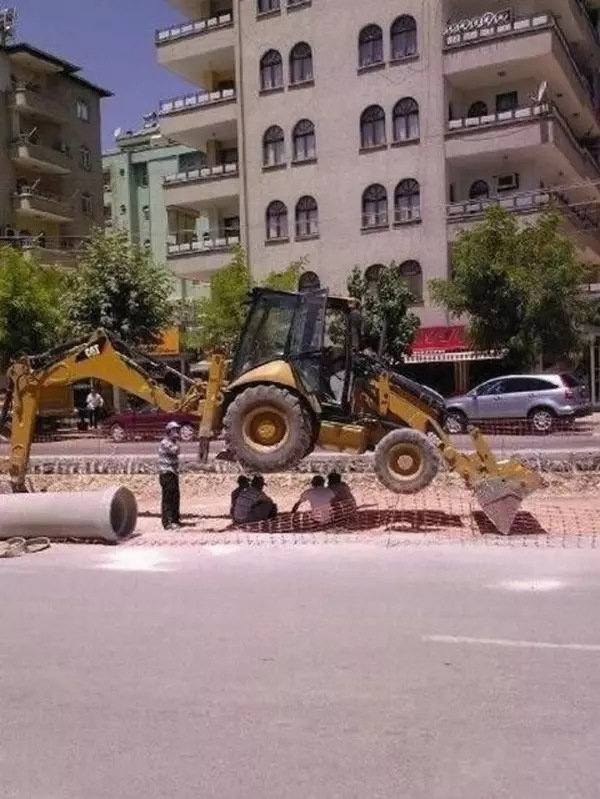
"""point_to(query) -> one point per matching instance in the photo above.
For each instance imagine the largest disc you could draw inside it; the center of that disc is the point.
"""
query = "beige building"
(51, 190)
(360, 133)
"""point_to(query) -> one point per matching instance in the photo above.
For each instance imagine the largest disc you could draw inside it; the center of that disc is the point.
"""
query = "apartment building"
(50, 161)
(137, 175)
(359, 133)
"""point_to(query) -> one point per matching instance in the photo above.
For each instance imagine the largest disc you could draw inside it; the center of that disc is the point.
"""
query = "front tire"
(542, 420)
(266, 427)
(406, 461)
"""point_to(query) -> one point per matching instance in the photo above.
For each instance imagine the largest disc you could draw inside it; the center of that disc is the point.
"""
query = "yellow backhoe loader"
(298, 379)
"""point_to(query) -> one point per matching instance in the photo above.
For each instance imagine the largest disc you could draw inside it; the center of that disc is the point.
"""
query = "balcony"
(531, 49)
(33, 203)
(41, 158)
(199, 260)
(200, 188)
(196, 47)
(52, 255)
(194, 118)
(29, 100)
(537, 132)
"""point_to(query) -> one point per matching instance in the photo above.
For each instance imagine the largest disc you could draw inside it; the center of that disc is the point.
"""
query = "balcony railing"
(222, 20)
(524, 203)
(517, 27)
(206, 244)
(32, 96)
(201, 174)
(191, 102)
(519, 114)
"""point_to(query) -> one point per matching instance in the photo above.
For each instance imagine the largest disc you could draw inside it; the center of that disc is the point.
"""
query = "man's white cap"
(173, 426)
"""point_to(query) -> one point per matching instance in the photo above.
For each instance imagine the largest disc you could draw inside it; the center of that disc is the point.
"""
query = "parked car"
(543, 400)
(148, 423)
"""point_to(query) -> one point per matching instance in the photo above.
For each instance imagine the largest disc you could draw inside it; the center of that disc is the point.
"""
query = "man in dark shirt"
(242, 483)
(168, 467)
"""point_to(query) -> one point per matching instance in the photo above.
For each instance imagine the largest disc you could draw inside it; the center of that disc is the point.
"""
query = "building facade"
(358, 134)
(137, 175)
(51, 158)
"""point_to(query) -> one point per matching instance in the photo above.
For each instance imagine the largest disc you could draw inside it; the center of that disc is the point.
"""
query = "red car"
(148, 423)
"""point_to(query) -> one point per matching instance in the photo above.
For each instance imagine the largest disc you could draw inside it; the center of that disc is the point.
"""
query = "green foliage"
(389, 326)
(32, 312)
(519, 286)
(220, 317)
(118, 286)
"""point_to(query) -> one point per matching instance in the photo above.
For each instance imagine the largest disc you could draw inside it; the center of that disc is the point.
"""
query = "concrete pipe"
(109, 515)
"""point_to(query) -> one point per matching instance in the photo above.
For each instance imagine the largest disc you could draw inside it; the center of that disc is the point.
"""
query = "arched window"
(374, 206)
(410, 271)
(273, 146)
(301, 63)
(277, 220)
(403, 37)
(406, 120)
(307, 217)
(372, 126)
(271, 70)
(304, 140)
(479, 190)
(407, 201)
(478, 109)
(309, 281)
(264, 6)
(372, 277)
(370, 46)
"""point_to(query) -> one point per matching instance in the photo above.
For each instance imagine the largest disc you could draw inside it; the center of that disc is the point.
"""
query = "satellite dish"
(117, 132)
(542, 92)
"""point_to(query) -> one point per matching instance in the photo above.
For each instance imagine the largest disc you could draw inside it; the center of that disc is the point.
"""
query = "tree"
(118, 286)
(389, 326)
(220, 316)
(32, 308)
(519, 286)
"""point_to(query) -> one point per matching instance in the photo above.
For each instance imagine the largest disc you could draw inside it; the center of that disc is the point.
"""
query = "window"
(407, 201)
(271, 71)
(87, 204)
(304, 141)
(122, 210)
(309, 281)
(307, 217)
(507, 101)
(478, 109)
(479, 190)
(83, 111)
(140, 174)
(372, 277)
(146, 212)
(374, 207)
(301, 63)
(277, 220)
(403, 37)
(370, 46)
(273, 146)
(406, 120)
(264, 6)
(372, 127)
(410, 271)
(524, 385)
(85, 158)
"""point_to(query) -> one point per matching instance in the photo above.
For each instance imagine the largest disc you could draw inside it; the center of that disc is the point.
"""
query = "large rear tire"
(406, 461)
(267, 429)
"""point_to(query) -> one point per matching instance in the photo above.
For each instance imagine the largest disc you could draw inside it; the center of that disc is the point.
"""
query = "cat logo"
(91, 350)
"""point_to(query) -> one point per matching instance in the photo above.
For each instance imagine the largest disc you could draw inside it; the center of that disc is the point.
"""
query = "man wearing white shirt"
(320, 499)
(94, 404)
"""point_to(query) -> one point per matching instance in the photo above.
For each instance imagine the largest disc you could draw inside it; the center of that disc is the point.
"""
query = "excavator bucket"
(501, 496)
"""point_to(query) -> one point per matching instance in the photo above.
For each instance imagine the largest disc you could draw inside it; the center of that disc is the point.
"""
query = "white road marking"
(217, 550)
(529, 585)
(138, 559)
(508, 643)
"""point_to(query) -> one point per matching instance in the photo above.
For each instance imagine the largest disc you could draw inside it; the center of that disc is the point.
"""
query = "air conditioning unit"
(507, 182)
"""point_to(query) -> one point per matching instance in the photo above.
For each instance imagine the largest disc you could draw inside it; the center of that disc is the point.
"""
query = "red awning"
(441, 339)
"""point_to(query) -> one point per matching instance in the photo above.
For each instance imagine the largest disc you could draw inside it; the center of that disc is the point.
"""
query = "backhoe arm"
(100, 357)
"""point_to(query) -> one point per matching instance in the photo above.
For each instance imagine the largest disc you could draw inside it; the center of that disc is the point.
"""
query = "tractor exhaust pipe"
(109, 515)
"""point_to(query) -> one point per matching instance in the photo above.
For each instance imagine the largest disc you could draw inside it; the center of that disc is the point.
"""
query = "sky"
(113, 42)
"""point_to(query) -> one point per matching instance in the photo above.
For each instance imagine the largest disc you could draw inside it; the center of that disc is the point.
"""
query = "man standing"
(168, 467)
(94, 404)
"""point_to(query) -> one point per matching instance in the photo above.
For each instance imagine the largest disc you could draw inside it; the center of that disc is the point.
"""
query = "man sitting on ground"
(344, 501)
(252, 504)
(242, 483)
(320, 499)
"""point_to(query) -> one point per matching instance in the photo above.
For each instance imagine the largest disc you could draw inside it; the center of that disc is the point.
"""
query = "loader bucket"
(501, 496)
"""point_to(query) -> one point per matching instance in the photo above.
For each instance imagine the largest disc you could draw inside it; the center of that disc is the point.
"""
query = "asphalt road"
(346, 672)
(585, 440)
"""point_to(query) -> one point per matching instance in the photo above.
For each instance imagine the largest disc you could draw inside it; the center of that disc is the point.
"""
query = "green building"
(134, 173)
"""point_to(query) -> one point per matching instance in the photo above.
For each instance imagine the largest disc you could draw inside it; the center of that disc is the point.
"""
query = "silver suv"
(541, 399)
